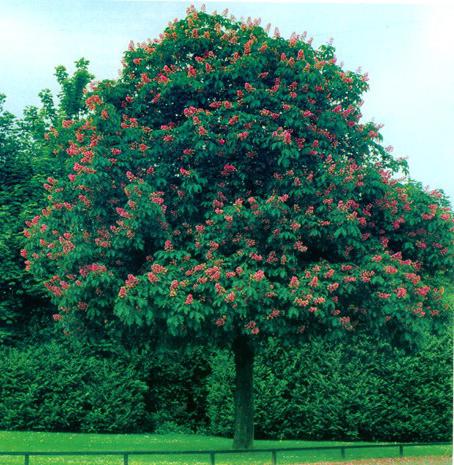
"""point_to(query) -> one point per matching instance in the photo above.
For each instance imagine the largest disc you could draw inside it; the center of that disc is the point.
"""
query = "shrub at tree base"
(224, 190)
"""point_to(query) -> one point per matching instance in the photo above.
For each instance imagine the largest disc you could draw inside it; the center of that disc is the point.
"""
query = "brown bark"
(244, 396)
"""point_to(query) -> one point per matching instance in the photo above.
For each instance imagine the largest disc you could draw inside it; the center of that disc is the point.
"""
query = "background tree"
(224, 190)
(19, 190)
(71, 96)
(25, 163)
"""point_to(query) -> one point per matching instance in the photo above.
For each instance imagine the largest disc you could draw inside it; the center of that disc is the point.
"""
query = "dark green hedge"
(60, 387)
(358, 390)
(55, 388)
(177, 394)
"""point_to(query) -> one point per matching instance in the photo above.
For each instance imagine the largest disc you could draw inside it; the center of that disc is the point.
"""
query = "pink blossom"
(162, 79)
(366, 276)
(157, 268)
(413, 278)
(295, 226)
(332, 287)
(275, 313)
(230, 297)
(192, 72)
(345, 321)
(287, 137)
(152, 277)
(213, 273)
(401, 292)
(258, 275)
(122, 292)
(423, 291)
(131, 281)
(123, 213)
(228, 169)
(313, 282)
(329, 273)
(219, 288)
(390, 269)
(383, 295)
(67, 123)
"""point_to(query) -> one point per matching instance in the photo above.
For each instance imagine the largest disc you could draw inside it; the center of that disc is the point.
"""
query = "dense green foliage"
(225, 185)
(360, 391)
(66, 387)
(53, 388)
(22, 164)
(177, 396)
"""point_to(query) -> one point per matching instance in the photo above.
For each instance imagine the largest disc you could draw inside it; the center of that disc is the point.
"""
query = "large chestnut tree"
(225, 189)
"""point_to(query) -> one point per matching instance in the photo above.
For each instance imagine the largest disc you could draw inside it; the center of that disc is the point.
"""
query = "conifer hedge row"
(362, 390)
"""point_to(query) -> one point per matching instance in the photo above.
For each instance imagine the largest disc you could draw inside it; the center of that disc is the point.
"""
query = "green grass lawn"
(59, 442)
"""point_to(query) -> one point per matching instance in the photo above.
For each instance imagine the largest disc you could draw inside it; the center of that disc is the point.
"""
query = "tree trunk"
(244, 395)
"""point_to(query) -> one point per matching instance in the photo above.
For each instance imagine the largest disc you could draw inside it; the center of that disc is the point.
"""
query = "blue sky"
(406, 49)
